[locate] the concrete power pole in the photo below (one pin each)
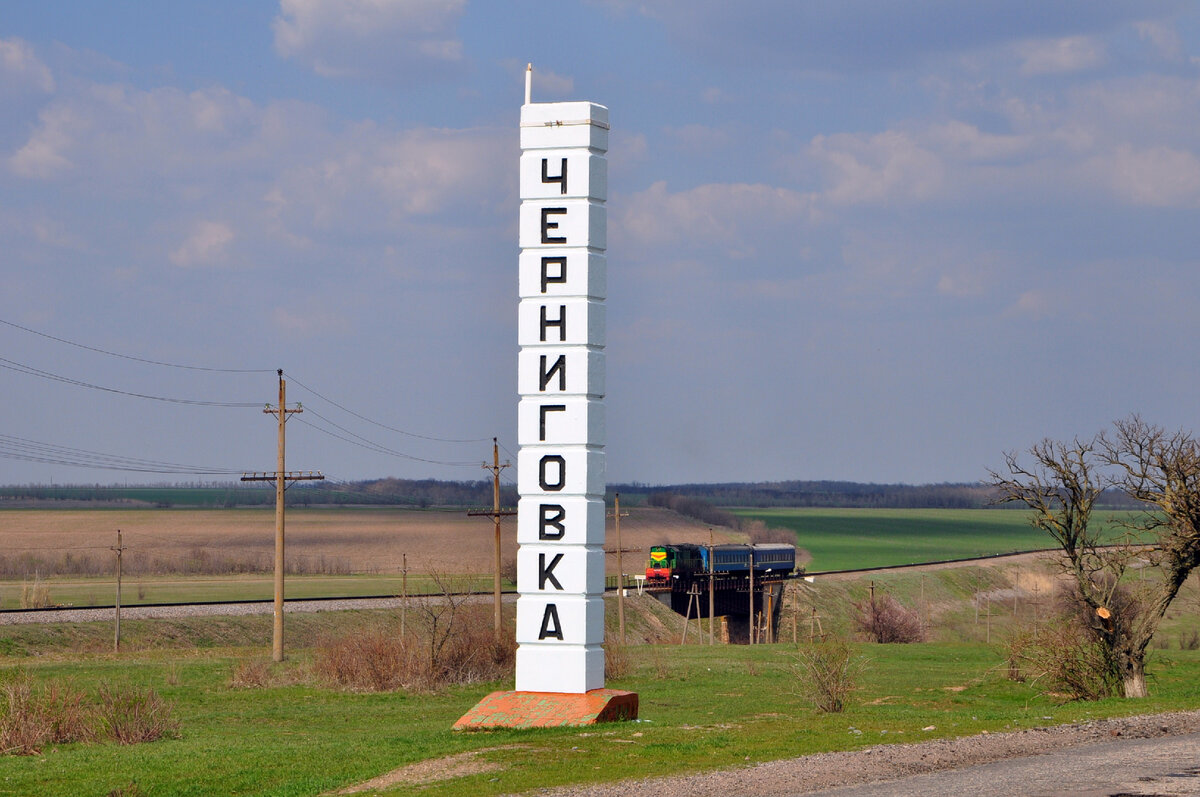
(281, 477)
(496, 514)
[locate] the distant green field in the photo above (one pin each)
(842, 539)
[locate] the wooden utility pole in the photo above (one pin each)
(117, 630)
(620, 571)
(693, 600)
(496, 514)
(281, 477)
(770, 610)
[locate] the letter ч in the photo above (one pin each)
(562, 174)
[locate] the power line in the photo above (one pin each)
(135, 359)
(373, 446)
(27, 450)
(383, 425)
(31, 371)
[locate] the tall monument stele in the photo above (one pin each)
(560, 426)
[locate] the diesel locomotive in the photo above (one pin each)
(685, 560)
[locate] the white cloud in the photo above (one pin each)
(1034, 303)
(370, 178)
(206, 245)
(148, 135)
(20, 69)
(1053, 56)
(885, 167)
(1164, 38)
(732, 215)
(964, 141)
(44, 156)
(1159, 176)
(1129, 140)
(390, 40)
(547, 83)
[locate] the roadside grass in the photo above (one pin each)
(702, 708)
(842, 539)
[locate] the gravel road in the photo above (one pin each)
(825, 771)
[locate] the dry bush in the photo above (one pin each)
(370, 661)
(760, 533)
(24, 727)
(35, 594)
(1189, 640)
(473, 654)
(1066, 660)
(250, 674)
(1014, 645)
(617, 663)
(32, 718)
(464, 651)
(658, 660)
(827, 673)
(886, 620)
(130, 715)
(508, 570)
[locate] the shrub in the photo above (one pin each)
(1066, 660)
(35, 595)
(370, 661)
(250, 674)
(827, 673)
(760, 533)
(465, 651)
(473, 654)
(130, 715)
(617, 663)
(32, 718)
(886, 621)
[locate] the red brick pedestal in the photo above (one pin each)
(549, 709)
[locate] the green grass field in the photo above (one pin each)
(843, 539)
(701, 708)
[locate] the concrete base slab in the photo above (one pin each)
(549, 709)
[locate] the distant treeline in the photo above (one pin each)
(846, 494)
(422, 493)
(418, 493)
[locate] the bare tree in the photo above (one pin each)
(439, 614)
(1061, 487)
(1161, 469)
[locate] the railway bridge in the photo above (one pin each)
(745, 605)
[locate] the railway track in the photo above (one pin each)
(75, 614)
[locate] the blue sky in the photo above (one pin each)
(877, 241)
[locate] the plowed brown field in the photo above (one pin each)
(358, 540)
